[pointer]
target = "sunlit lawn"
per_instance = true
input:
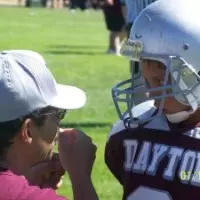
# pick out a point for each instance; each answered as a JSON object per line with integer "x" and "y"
{"x": 74, "y": 46}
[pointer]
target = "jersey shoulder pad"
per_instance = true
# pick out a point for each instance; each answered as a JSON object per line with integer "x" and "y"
{"x": 141, "y": 111}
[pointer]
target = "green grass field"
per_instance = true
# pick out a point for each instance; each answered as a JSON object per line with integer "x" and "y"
{"x": 74, "y": 47}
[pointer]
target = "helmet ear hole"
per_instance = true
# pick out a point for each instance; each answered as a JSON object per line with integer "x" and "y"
{"x": 186, "y": 46}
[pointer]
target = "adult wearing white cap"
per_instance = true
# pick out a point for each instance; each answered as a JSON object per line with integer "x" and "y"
{"x": 31, "y": 107}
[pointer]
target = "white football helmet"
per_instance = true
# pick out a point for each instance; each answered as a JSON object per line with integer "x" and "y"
{"x": 167, "y": 31}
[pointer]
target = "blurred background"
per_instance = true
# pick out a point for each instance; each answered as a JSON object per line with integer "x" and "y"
{"x": 81, "y": 49}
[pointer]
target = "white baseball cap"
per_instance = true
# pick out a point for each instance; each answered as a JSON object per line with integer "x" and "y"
{"x": 26, "y": 85}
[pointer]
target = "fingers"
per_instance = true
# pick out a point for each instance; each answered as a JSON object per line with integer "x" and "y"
{"x": 56, "y": 164}
{"x": 42, "y": 167}
{"x": 54, "y": 181}
{"x": 68, "y": 136}
{"x": 76, "y": 148}
{"x": 48, "y": 167}
{"x": 54, "y": 173}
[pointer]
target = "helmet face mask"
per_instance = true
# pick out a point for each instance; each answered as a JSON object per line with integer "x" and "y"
{"x": 181, "y": 82}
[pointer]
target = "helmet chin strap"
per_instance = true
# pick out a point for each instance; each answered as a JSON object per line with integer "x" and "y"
{"x": 179, "y": 116}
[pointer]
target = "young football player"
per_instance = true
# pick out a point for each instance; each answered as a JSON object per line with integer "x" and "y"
{"x": 154, "y": 149}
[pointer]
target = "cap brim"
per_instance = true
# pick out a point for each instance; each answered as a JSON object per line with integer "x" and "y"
{"x": 69, "y": 97}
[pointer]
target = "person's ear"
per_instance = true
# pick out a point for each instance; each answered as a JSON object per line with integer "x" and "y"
{"x": 26, "y": 131}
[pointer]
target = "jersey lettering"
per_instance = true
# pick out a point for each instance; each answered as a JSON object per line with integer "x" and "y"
{"x": 150, "y": 155}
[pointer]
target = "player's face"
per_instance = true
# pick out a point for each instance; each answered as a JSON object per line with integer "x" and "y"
{"x": 154, "y": 74}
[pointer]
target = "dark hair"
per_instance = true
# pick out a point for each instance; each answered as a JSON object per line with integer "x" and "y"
{"x": 8, "y": 130}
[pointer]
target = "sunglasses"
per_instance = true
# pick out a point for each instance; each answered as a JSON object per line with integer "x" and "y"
{"x": 59, "y": 114}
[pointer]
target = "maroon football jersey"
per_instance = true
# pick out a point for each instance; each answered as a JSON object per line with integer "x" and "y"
{"x": 155, "y": 162}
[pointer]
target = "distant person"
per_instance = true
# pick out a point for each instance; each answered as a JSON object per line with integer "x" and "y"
{"x": 57, "y": 3}
{"x": 115, "y": 24}
{"x": 81, "y": 4}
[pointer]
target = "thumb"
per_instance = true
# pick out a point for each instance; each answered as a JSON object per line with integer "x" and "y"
{"x": 44, "y": 167}
{"x": 53, "y": 181}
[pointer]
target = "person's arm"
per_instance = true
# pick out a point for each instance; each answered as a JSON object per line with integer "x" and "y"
{"x": 83, "y": 188}
{"x": 77, "y": 155}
